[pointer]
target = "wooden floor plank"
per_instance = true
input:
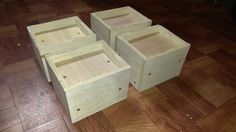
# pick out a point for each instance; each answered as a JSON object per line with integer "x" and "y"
{"x": 57, "y": 125}
{"x": 32, "y": 94}
{"x": 9, "y": 117}
{"x": 5, "y": 97}
{"x": 201, "y": 99}
{"x": 223, "y": 119}
{"x": 96, "y": 123}
{"x": 8, "y": 31}
{"x": 127, "y": 119}
{"x": 226, "y": 59}
{"x": 14, "y": 128}
{"x": 202, "y": 75}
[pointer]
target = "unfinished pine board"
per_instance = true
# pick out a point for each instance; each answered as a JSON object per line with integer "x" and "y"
{"x": 121, "y": 20}
{"x": 107, "y": 24}
{"x": 60, "y": 36}
{"x": 155, "y": 55}
{"x": 57, "y": 36}
{"x": 88, "y": 79}
{"x": 153, "y": 44}
{"x": 84, "y": 69}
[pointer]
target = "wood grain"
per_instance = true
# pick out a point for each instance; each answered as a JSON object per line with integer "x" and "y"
{"x": 218, "y": 121}
{"x": 86, "y": 68}
{"x": 8, "y": 31}
{"x": 5, "y": 97}
{"x": 202, "y": 99}
{"x": 9, "y": 117}
{"x": 14, "y": 128}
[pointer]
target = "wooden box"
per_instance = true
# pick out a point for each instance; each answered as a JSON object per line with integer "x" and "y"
{"x": 107, "y": 24}
{"x": 155, "y": 55}
{"x": 57, "y": 36}
{"x": 89, "y": 79}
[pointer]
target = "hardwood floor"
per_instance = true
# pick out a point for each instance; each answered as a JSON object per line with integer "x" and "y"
{"x": 201, "y": 99}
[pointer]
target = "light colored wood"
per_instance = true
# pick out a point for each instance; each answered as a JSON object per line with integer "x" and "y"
{"x": 89, "y": 79}
{"x": 107, "y": 24}
{"x": 58, "y": 36}
{"x": 121, "y": 20}
{"x": 153, "y": 44}
{"x": 84, "y": 69}
{"x": 155, "y": 55}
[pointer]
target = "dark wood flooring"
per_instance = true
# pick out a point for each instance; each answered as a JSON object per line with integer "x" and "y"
{"x": 201, "y": 99}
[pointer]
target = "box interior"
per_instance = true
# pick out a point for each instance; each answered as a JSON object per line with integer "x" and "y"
{"x": 120, "y": 20}
{"x": 152, "y": 44}
{"x": 61, "y": 35}
{"x": 84, "y": 67}
{"x": 121, "y": 17}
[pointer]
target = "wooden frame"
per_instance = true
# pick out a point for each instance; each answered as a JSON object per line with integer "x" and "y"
{"x": 155, "y": 55}
{"x": 59, "y": 35}
{"x": 89, "y": 79}
{"x": 107, "y": 24}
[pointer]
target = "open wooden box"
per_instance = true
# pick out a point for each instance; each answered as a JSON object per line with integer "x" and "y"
{"x": 58, "y": 36}
{"x": 155, "y": 55}
{"x": 89, "y": 79}
{"x": 107, "y": 24}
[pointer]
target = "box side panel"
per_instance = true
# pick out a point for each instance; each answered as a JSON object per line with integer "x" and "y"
{"x": 58, "y": 90}
{"x": 133, "y": 59}
{"x": 84, "y": 27}
{"x": 130, "y": 28}
{"x": 163, "y": 68}
{"x": 112, "y": 12}
{"x": 45, "y": 68}
{"x": 41, "y": 60}
{"x": 93, "y": 96}
{"x": 52, "y": 25}
{"x": 100, "y": 29}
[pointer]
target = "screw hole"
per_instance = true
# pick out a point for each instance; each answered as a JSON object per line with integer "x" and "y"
{"x": 149, "y": 74}
{"x": 64, "y": 76}
{"x": 119, "y": 88}
{"x": 42, "y": 41}
{"x": 78, "y": 109}
{"x": 108, "y": 60}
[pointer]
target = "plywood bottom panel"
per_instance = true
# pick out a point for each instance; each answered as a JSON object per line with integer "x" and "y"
{"x": 59, "y": 36}
{"x": 153, "y": 44}
{"x": 120, "y": 20}
{"x": 84, "y": 68}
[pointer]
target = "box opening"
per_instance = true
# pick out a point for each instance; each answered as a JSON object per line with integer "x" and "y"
{"x": 120, "y": 20}
{"x": 61, "y": 35}
{"x": 85, "y": 67}
{"x": 152, "y": 44}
